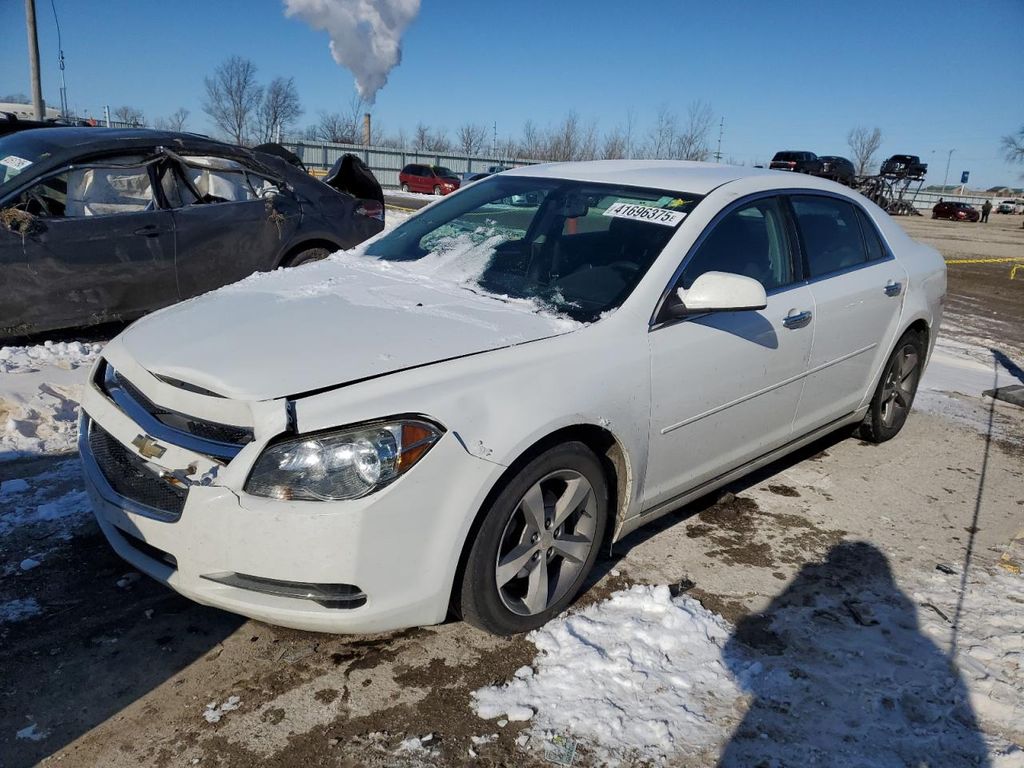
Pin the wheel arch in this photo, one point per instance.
(294, 249)
(610, 453)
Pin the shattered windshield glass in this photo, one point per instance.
(575, 248)
(19, 151)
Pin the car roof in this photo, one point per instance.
(682, 175)
(72, 140)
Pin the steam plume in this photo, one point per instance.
(366, 35)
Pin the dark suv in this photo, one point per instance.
(429, 179)
(801, 162)
(837, 168)
(909, 166)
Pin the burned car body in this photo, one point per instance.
(100, 225)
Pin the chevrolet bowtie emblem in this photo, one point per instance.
(148, 447)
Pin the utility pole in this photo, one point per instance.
(721, 130)
(946, 177)
(33, 58)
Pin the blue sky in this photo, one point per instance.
(933, 75)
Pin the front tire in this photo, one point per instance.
(895, 392)
(437, 191)
(405, 187)
(537, 543)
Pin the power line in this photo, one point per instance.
(60, 60)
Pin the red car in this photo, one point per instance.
(955, 211)
(429, 179)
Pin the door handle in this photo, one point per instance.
(150, 230)
(797, 319)
(892, 288)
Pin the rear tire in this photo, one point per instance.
(539, 539)
(307, 257)
(894, 395)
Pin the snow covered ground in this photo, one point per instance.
(841, 665)
(39, 392)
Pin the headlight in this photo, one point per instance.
(346, 464)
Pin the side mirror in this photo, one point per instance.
(720, 292)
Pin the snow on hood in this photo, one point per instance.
(340, 320)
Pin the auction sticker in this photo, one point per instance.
(645, 213)
(15, 162)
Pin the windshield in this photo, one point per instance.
(18, 151)
(440, 170)
(575, 248)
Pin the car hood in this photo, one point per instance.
(327, 324)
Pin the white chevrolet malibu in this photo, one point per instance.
(456, 416)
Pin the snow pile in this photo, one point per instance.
(441, 284)
(640, 674)
(39, 391)
(214, 712)
(53, 500)
(843, 667)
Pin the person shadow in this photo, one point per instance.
(841, 675)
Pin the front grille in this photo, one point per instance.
(128, 476)
(208, 430)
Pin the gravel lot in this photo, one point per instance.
(118, 671)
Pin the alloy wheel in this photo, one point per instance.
(900, 385)
(546, 542)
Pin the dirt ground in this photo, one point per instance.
(118, 672)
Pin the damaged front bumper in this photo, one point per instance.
(382, 562)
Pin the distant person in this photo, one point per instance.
(986, 209)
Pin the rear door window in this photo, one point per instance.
(830, 233)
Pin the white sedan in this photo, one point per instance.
(458, 415)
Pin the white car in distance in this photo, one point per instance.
(459, 414)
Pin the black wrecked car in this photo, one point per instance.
(103, 224)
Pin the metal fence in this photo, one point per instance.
(386, 163)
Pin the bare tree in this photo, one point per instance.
(16, 98)
(425, 138)
(864, 143)
(661, 136)
(531, 146)
(279, 108)
(233, 98)
(691, 143)
(471, 138)
(615, 145)
(173, 122)
(335, 127)
(1013, 146)
(130, 116)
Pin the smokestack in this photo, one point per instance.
(366, 129)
